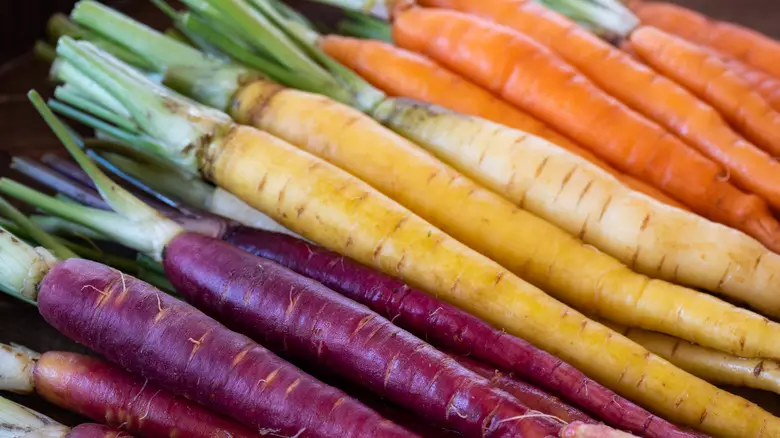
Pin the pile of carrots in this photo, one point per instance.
(496, 221)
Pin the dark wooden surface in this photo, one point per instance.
(23, 133)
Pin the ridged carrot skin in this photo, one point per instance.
(559, 263)
(95, 431)
(171, 343)
(566, 191)
(533, 78)
(450, 328)
(763, 83)
(337, 210)
(300, 318)
(745, 44)
(104, 392)
(714, 366)
(653, 95)
(528, 394)
(706, 75)
(399, 72)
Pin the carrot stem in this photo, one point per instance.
(69, 94)
(34, 231)
(66, 73)
(607, 17)
(361, 25)
(44, 51)
(59, 25)
(179, 124)
(193, 192)
(64, 228)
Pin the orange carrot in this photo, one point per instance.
(706, 75)
(763, 83)
(655, 96)
(403, 73)
(529, 76)
(747, 45)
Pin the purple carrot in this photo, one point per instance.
(453, 329)
(171, 343)
(528, 394)
(104, 392)
(302, 318)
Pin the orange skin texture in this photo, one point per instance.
(399, 72)
(625, 77)
(531, 77)
(707, 75)
(747, 45)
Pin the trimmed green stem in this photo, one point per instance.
(61, 227)
(70, 95)
(59, 25)
(66, 73)
(178, 123)
(361, 25)
(44, 51)
(606, 17)
(193, 192)
(35, 232)
(134, 224)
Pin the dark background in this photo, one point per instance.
(22, 21)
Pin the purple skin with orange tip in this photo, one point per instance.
(450, 328)
(176, 346)
(91, 430)
(303, 319)
(528, 394)
(104, 392)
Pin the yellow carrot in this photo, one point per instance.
(577, 196)
(532, 248)
(339, 211)
(713, 366)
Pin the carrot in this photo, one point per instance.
(714, 366)
(553, 91)
(747, 45)
(639, 87)
(169, 342)
(402, 73)
(450, 328)
(329, 206)
(337, 133)
(641, 233)
(709, 77)
(19, 421)
(764, 84)
(527, 394)
(301, 318)
(103, 392)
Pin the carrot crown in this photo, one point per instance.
(22, 267)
